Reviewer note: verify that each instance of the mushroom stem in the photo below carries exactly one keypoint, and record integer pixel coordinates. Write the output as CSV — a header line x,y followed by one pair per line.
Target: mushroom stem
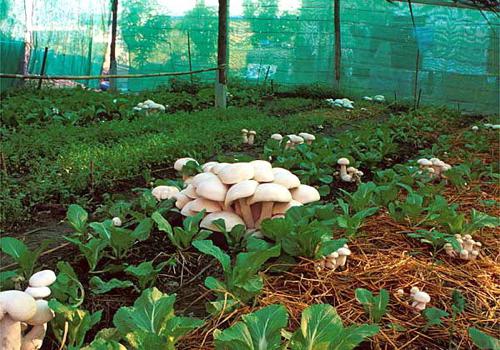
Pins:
x,y
33,340
246,212
10,333
344,176
265,213
251,139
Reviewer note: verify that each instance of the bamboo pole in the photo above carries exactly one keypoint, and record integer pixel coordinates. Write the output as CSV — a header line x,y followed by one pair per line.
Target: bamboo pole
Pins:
x,y
338,42
189,57
221,83
91,77
44,63
112,53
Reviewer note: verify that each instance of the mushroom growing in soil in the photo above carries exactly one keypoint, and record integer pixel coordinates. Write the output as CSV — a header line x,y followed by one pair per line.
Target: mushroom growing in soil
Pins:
x,y
244,134
164,192
17,308
308,138
251,137
181,163
253,191
277,137
344,176
468,248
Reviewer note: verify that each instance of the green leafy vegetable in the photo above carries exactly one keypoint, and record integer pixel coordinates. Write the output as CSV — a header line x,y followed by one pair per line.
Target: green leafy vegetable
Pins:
x,y
101,287
375,306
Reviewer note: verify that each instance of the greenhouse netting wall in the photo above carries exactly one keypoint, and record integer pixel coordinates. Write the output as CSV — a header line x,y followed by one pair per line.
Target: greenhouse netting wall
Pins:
x,y
445,55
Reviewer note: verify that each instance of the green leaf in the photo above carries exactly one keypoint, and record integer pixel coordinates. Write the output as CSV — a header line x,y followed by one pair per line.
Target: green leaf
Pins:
x,y
163,224
143,230
458,305
208,247
13,247
77,217
352,336
150,313
101,287
103,344
260,330
433,316
482,340
248,264
319,326
93,250
145,272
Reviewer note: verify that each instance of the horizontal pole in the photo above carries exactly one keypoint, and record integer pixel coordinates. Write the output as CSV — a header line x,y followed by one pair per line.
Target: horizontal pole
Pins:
x,y
91,77
450,4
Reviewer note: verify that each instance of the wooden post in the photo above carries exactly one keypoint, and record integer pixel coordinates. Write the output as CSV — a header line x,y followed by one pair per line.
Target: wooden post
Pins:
x,y
24,59
112,54
221,81
338,42
189,58
42,70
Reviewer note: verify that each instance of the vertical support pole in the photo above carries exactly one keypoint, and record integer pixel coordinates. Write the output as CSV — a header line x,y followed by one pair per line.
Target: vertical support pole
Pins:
x,y
112,54
42,70
221,81
338,42
24,59
189,58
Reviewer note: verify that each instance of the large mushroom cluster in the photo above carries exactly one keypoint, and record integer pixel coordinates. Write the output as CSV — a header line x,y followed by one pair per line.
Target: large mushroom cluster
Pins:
x,y
149,106
24,315
335,260
241,193
469,249
294,140
434,166
340,102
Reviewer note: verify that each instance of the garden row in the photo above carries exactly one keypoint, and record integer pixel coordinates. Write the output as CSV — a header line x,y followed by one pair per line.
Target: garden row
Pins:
x,y
153,246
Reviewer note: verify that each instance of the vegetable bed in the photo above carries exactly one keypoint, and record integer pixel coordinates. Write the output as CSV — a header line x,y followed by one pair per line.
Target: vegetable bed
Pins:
x,y
125,260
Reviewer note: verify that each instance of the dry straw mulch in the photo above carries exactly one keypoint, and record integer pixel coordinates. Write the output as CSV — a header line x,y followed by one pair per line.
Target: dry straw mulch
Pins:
x,y
384,257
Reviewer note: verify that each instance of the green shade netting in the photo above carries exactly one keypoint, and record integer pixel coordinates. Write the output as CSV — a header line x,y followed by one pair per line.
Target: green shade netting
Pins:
x,y
75,32
287,41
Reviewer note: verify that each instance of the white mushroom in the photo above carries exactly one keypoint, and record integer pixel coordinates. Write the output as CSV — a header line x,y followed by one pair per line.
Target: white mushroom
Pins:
x,y
268,194
15,307
244,134
230,220
343,254
240,192
344,176
308,138
164,192
277,137
116,221
42,278
420,300
251,137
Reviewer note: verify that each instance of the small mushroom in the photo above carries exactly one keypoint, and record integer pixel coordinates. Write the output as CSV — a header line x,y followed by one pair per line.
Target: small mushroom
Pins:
x,y
164,192
343,254
448,248
414,290
420,300
244,134
344,176
277,137
116,221
42,278
464,255
251,137
308,138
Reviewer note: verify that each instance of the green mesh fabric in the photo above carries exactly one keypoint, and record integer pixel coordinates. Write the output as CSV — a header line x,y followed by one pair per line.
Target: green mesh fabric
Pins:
x,y
289,42
75,32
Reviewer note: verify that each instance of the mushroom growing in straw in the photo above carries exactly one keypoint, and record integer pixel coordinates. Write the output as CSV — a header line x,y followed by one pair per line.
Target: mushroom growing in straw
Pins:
x,y
420,300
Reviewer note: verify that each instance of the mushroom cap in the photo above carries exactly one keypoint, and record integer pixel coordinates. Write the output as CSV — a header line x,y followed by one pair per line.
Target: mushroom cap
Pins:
x,y
281,208
280,170
414,290
42,315
343,161
305,194
38,292
186,209
277,137
308,137
448,246
467,237
424,162
164,192
434,160
181,162
295,138
446,167
344,251
351,169
333,255
244,131
190,191
252,132
269,192
198,178
218,167
202,203
235,173
208,166
42,278
181,200
421,297
230,219
20,306
212,189
240,190
263,171
478,244
286,179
